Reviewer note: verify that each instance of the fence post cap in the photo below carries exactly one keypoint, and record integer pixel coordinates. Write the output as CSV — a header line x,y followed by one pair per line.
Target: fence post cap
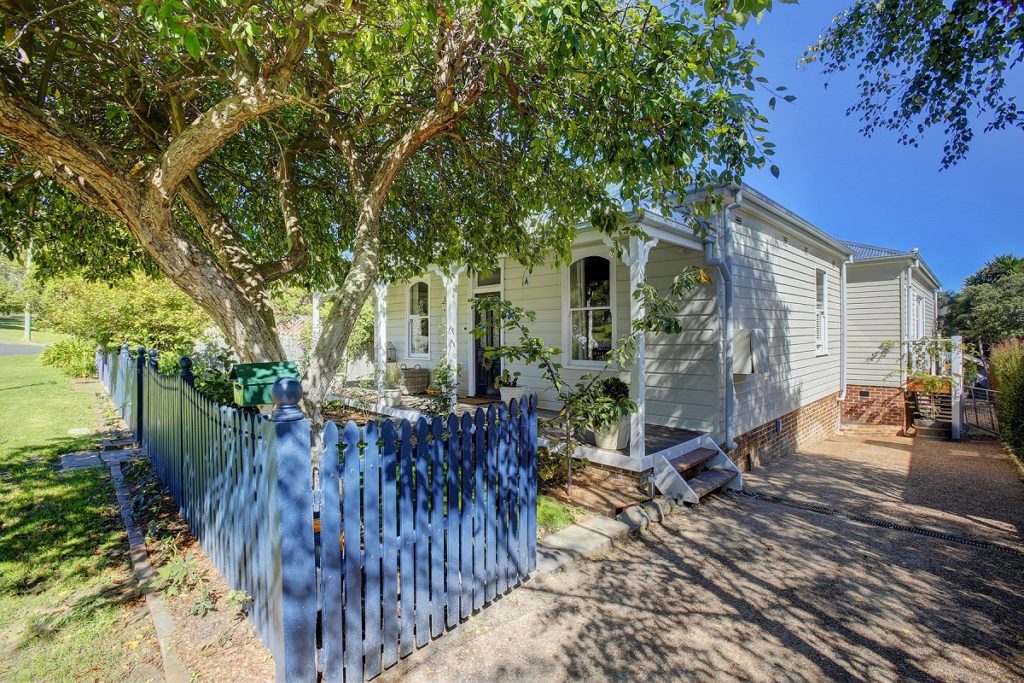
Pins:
x,y
286,392
185,363
124,347
154,357
99,348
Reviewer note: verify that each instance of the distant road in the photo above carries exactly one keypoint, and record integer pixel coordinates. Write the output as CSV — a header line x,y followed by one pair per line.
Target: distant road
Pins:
x,y
7,349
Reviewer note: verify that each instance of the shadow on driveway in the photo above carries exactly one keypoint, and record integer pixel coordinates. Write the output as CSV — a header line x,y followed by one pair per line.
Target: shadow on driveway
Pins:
x,y
745,589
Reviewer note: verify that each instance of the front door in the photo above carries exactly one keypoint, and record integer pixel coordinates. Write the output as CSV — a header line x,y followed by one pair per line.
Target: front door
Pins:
x,y
487,369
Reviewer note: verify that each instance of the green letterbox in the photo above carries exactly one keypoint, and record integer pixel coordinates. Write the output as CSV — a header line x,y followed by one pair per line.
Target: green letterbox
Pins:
x,y
253,381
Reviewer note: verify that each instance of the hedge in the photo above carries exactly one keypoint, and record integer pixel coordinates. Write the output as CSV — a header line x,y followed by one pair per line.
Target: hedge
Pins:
x,y
1007,361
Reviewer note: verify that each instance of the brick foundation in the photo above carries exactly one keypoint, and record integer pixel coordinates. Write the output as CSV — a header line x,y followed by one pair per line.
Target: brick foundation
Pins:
x,y
803,426
873,405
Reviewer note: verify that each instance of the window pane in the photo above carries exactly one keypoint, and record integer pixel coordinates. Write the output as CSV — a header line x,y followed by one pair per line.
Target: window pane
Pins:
x,y
589,283
487,279
418,299
419,335
591,334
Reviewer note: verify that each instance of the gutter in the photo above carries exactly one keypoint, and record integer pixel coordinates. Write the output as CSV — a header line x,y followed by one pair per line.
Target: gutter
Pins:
x,y
723,264
843,351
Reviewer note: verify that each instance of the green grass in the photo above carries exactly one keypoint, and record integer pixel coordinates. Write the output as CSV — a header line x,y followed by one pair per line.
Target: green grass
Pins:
x,y
12,331
553,515
66,594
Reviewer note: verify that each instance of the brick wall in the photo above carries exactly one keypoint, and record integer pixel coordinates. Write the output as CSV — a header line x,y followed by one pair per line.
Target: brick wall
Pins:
x,y
873,405
803,426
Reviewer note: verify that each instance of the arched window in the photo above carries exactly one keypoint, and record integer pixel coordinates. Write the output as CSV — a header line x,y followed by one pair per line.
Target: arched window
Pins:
x,y
419,320
590,309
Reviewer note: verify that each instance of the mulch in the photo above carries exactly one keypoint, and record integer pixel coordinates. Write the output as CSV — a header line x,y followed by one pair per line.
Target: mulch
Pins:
x,y
601,491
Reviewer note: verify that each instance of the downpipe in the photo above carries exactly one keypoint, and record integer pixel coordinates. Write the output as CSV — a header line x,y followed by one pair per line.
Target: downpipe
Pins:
x,y
724,265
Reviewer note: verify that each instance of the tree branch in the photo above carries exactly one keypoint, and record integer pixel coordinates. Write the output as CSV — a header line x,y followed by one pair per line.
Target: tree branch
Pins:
x,y
296,257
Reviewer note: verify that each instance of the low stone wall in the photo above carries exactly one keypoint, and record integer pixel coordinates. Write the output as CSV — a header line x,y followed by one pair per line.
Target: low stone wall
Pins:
x,y
874,405
813,422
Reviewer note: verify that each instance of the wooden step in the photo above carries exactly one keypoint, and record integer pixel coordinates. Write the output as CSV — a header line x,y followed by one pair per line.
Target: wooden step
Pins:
x,y
711,480
687,461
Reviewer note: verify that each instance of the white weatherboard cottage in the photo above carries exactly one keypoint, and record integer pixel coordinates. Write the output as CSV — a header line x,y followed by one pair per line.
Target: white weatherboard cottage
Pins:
x,y
759,366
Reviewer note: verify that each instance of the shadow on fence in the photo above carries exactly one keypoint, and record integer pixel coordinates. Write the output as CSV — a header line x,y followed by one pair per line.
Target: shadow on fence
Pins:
x,y
433,520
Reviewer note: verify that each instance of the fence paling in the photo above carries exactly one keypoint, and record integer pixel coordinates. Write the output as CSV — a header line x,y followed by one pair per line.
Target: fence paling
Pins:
x,y
408,506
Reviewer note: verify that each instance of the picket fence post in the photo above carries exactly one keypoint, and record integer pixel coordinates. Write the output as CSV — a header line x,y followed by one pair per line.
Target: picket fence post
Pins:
x,y
296,560
140,365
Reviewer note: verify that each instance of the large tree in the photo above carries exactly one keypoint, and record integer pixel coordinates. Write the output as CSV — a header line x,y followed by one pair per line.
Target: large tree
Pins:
x,y
990,307
234,145
925,63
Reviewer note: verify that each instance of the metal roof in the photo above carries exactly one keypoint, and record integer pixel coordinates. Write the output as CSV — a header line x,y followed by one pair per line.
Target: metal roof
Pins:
x,y
869,251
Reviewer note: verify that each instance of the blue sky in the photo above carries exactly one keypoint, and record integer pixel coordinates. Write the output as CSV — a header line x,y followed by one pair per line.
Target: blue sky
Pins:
x,y
876,190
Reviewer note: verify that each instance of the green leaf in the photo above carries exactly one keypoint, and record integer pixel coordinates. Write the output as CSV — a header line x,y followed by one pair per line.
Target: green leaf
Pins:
x,y
191,42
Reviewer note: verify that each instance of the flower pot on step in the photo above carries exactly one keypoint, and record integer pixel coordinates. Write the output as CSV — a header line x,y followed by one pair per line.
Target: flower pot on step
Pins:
x,y
392,398
509,393
613,437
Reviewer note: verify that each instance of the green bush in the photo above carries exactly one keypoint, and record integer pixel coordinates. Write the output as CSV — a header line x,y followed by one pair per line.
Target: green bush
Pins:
x,y
74,357
142,311
1007,361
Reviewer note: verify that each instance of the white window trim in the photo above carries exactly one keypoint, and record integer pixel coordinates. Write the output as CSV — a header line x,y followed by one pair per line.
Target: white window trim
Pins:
x,y
822,348
597,250
489,289
409,318
919,315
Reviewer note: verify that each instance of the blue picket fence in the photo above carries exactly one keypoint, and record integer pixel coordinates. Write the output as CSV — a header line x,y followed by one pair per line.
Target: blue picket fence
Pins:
x,y
433,520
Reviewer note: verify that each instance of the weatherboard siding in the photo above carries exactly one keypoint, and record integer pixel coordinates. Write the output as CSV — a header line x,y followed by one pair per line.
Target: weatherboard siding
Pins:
x,y
774,290
874,304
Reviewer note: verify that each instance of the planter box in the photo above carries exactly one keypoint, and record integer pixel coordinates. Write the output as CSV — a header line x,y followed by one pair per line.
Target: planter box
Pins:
x,y
509,393
917,386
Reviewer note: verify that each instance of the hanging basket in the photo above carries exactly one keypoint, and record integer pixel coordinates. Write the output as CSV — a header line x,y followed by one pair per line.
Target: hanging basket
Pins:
x,y
417,379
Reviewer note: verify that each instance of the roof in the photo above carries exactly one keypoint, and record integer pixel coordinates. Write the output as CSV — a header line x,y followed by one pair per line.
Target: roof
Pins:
x,y
863,251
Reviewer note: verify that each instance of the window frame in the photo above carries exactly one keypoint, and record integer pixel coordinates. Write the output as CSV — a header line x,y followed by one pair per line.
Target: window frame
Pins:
x,y
578,255
821,313
410,317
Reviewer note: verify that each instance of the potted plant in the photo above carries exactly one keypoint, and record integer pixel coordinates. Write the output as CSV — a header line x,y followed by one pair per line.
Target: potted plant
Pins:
x,y
607,412
507,384
393,381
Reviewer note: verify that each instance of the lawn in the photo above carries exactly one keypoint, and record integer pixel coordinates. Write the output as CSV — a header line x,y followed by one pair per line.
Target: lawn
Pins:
x,y
12,331
68,606
553,515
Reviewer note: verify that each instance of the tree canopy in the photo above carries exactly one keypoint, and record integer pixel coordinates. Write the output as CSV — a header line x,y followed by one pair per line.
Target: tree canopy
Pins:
x,y
925,63
990,307
238,146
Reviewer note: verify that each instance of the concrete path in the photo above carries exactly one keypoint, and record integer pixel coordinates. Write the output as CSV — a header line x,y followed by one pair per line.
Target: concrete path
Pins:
x,y
16,349
742,588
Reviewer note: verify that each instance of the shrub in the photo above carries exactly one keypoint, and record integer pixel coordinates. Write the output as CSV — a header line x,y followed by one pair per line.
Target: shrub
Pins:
x,y
74,357
1007,361
139,310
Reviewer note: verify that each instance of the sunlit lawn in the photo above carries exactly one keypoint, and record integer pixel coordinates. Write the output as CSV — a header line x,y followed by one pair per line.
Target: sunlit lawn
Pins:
x,y
12,331
68,609
553,515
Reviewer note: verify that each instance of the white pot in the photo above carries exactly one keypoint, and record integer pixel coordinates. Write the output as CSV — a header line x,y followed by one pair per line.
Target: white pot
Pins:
x,y
509,393
615,436
392,398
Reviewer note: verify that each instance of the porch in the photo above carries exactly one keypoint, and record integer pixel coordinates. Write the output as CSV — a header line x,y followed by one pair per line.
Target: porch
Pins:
x,y
658,439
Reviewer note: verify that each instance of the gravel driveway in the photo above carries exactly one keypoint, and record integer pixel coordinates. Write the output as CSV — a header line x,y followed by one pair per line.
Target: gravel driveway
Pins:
x,y
742,588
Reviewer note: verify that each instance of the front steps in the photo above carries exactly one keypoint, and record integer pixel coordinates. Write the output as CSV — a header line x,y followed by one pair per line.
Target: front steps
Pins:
x,y
696,473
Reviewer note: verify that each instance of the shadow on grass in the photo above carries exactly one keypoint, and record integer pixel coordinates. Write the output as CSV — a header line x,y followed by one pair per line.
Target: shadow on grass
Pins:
x,y
55,524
